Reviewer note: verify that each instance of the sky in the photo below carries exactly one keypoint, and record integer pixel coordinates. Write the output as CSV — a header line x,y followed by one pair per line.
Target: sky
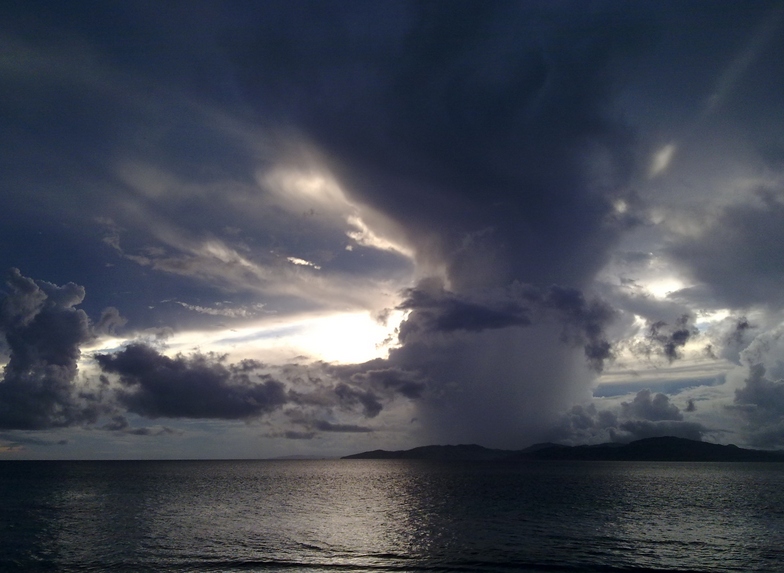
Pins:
x,y
235,229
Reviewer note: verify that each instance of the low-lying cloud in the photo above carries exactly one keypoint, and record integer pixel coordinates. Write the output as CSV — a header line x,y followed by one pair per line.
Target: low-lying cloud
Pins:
x,y
647,415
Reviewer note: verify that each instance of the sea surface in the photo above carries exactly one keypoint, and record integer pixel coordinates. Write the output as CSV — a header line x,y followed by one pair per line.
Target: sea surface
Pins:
x,y
390,515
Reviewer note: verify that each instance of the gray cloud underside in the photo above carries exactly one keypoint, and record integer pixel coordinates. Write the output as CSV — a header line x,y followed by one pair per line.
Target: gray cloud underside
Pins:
x,y
738,254
761,400
647,415
198,386
436,311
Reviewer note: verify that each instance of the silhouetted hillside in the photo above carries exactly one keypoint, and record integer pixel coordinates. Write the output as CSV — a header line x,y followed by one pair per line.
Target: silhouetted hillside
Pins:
x,y
460,452
668,449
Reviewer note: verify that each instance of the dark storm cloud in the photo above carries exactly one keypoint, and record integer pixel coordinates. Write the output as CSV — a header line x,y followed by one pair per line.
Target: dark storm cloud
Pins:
x,y
195,386
117,422
320,389
483,129
761,400
738,254
486,131
445,363
647,415
437,310
479,126
395,380
370,402
198,385
44,333
665,339
502,358
584,322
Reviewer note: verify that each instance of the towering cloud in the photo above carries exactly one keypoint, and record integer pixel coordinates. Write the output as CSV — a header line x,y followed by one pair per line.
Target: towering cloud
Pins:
x,y
44,333
480,127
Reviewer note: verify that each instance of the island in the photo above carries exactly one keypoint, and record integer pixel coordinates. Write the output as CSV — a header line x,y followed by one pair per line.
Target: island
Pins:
x,y
664,449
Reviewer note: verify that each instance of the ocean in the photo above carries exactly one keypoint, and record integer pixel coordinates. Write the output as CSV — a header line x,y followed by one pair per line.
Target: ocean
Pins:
x,y
390,515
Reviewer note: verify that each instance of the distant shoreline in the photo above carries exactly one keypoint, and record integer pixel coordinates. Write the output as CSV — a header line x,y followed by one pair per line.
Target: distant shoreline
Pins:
x,y
669,449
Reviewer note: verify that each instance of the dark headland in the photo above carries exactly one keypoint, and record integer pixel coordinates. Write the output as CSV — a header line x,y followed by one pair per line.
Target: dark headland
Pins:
x,y
665,449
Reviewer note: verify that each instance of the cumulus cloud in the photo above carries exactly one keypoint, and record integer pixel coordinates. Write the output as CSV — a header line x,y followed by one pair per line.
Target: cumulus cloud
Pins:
x,y
650,407
318,397
314,422
647,415
197,386
119,423
369,401
44,332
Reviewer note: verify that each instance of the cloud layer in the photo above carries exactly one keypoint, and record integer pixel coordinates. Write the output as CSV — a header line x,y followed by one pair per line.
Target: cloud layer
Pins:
x,y
539,203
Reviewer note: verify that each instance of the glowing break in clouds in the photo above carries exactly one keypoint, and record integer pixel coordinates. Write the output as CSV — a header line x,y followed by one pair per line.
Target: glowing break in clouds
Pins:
x,y
314,191
661,160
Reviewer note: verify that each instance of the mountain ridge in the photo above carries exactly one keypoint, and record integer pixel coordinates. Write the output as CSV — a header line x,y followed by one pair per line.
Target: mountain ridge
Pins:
x,y
666,448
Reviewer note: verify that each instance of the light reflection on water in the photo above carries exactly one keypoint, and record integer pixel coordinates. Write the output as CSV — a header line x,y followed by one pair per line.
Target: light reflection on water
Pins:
x,y
390,515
